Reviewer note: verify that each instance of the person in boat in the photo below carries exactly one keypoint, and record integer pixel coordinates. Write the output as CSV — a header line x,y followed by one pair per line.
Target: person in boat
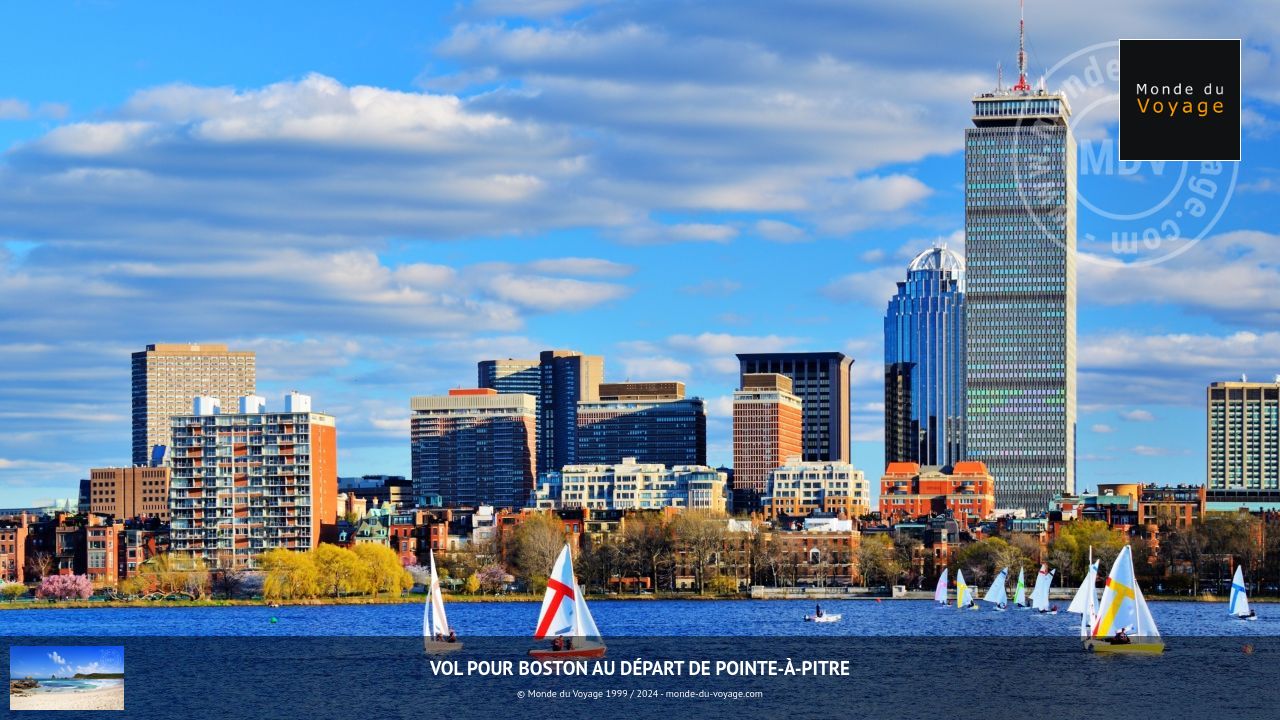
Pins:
x,y
1121,638
568,643
557,644
439,637
1053,607
1001,606
817,610
453,635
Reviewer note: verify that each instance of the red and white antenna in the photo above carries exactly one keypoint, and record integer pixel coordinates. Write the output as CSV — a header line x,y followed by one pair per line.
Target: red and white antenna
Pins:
x,y
1022,85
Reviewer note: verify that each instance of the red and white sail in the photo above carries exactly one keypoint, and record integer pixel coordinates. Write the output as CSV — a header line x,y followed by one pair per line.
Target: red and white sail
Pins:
x,y
564,610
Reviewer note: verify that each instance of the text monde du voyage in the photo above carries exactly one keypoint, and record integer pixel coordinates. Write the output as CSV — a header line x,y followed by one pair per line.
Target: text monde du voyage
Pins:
x,y
1180,99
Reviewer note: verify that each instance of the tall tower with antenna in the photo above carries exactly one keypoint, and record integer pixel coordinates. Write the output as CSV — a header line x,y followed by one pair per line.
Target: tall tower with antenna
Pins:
x,y
1020,319
1022,85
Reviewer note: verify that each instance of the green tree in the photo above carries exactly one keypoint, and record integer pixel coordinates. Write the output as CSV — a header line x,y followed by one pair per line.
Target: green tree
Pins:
x,y
984,559
12,591
383,569
877,560
174,574
1069,551
288,575
723,585
339,571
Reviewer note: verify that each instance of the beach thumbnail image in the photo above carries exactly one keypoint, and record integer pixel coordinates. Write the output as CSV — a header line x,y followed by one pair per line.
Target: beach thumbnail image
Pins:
x,y
66,677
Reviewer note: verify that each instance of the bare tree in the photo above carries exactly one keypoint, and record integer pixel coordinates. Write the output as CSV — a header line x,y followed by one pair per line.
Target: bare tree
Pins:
x,y
700,535
646,545
40,564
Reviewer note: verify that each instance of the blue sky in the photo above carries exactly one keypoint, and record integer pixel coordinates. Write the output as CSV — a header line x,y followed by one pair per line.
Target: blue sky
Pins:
x,y
373,198
64,660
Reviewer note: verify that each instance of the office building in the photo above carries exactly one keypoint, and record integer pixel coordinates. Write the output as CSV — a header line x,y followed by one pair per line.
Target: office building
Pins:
x,y
510,376
1020,293
568,378
909,491
651,422
132,492
250,481
1243,455
634,485
1177,507
924,362
473,447
821,381
768,428
799,488
167,376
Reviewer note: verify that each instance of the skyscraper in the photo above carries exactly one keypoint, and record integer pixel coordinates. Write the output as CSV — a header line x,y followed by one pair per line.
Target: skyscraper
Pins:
x,y
473,447
1243,445
1020,325
650,422
821,381
568,378
510,376
924,362
250,481
167,377
767,429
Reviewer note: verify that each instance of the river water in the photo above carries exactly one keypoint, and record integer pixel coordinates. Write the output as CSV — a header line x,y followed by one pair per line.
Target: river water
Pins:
x,y
640,618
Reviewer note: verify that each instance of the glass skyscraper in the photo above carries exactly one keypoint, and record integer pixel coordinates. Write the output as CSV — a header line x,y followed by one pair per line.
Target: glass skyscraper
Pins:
x,y
924,362
1020,253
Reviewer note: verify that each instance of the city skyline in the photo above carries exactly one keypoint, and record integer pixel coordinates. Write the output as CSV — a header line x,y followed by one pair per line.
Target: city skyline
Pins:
x,y
612,225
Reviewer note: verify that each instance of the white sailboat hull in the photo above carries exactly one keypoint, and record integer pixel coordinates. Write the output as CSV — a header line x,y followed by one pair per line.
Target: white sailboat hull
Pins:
x,y
823,618
436,647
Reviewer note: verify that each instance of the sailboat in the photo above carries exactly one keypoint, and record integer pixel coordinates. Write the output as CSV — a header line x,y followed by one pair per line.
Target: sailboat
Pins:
x,y
940,592
997,595
435,626
964,598
1040,593
1124,609
1085,603
1238,605
1020,595
565,617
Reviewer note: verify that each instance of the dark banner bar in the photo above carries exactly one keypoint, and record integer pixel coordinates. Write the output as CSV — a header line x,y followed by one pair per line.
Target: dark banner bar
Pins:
x,y
320,678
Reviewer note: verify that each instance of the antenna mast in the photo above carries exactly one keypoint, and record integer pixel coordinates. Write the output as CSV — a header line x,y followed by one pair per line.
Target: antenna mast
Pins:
x,y
1022,85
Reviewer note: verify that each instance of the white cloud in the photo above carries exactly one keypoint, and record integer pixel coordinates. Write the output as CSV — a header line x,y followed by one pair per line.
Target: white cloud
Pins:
x,y
1101,428
779,231
56,658
1138,415
643,369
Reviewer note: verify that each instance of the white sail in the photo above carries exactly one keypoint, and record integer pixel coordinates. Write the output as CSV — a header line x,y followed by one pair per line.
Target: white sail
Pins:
x,y
1085,603
1123,606
997,594
1239,602
963,596
564,606
434,622
940,592
1088,589
1020,595
1040,594
584,624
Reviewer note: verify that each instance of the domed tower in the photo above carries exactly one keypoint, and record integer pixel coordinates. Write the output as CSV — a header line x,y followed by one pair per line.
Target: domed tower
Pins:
x,y
924,355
